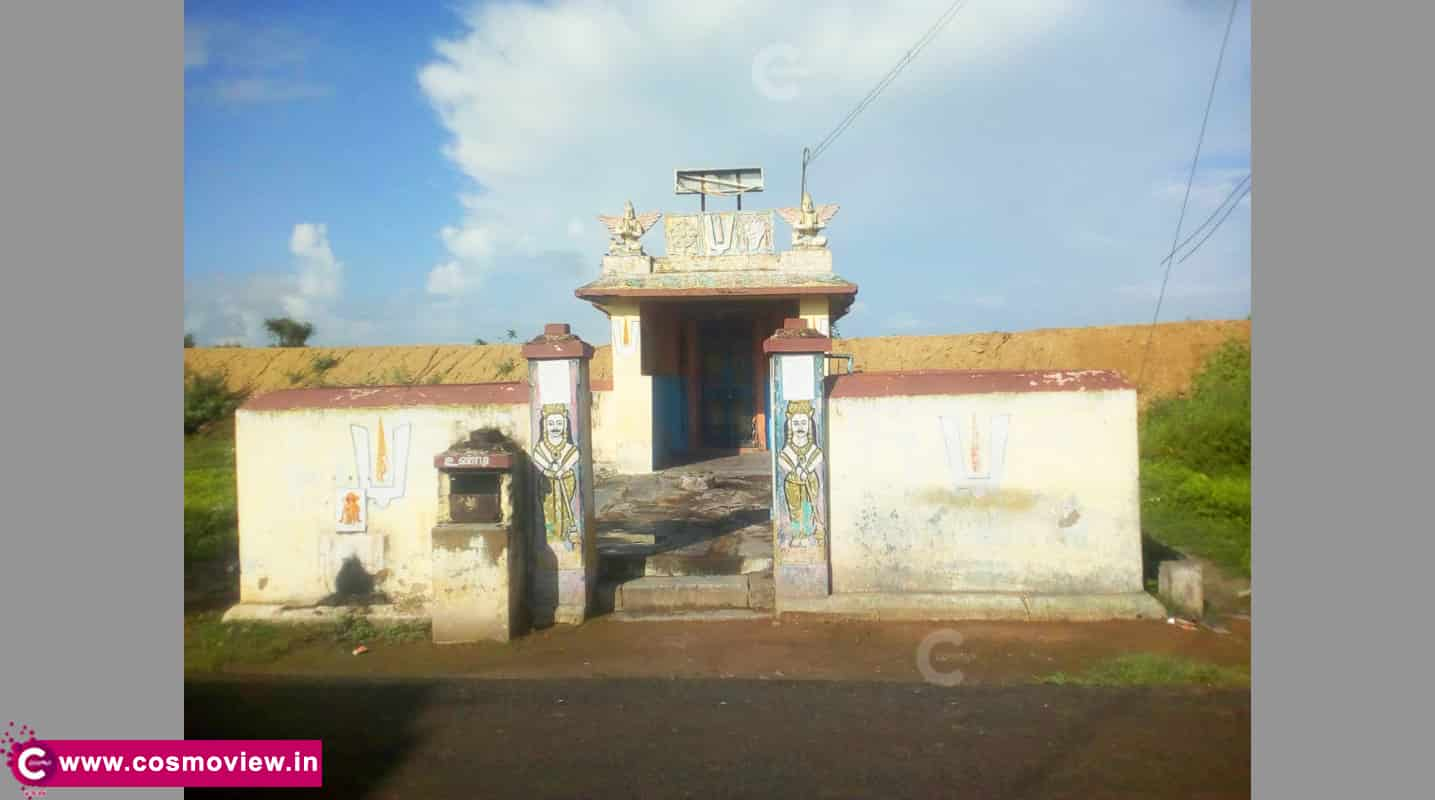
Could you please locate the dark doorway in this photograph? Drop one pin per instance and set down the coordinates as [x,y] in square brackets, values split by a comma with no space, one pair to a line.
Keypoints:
[725,381]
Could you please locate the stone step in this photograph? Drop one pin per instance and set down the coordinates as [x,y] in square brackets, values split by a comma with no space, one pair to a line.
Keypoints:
[676,565]
[698,615]
[681,593]
[624,566]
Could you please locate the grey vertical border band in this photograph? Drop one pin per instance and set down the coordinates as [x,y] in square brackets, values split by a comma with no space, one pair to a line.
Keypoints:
[91,148]
[1341,444]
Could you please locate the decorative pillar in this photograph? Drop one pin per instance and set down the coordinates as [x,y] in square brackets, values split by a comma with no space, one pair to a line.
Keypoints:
[565,558]
[799,464]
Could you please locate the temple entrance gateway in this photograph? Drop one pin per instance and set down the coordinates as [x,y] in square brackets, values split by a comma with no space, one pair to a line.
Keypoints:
[689,376]
[709,376]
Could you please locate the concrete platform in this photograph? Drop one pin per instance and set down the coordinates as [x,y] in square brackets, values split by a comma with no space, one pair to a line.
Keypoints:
[954,606]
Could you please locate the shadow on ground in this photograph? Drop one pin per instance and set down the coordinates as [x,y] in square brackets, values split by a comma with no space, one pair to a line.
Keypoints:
[368,728]
[657,738]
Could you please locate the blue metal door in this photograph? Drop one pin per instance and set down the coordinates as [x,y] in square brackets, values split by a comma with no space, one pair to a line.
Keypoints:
[726,376]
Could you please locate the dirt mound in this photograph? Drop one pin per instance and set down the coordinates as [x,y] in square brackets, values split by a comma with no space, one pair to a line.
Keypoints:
[1177,351]
[265,369]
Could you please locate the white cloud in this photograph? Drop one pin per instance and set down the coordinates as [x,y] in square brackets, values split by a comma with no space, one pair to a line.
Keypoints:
[236,64]
[223,308]
[558,111]
[1035,148]
[319,276]
[448,279]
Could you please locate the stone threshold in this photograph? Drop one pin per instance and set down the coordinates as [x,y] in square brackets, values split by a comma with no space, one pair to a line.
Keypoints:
[707,615]
[956,606]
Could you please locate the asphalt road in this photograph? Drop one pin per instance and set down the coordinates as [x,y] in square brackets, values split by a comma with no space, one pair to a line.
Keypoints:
[465,738]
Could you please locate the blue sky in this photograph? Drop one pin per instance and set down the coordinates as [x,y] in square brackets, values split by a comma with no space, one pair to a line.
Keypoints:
[430,173]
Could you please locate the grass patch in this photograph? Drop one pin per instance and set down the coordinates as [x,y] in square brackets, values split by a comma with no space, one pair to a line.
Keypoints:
[1196,464]
[210,644]
[1152,669]
[355,629]
[211,511]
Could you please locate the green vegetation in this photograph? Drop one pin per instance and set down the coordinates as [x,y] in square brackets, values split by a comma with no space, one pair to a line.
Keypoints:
[506,367]
[355,629]
[288,332]
[1196,464]
[1152,669]
[207,399]
[211,512]
[188,340]
[211,645]
[313,375]
[398,376]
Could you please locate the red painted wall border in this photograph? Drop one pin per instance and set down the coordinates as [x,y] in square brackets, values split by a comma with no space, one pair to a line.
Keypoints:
[458,394]
[937,382]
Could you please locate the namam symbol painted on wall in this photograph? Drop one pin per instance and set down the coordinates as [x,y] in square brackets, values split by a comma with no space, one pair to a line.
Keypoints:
[625,335]
[379,478]
[381,460]
[802,522]
[718,230]
[556,458]
[383,469]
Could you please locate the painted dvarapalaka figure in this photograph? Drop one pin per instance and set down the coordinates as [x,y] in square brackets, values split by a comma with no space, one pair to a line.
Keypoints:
[801,463]
[556,458]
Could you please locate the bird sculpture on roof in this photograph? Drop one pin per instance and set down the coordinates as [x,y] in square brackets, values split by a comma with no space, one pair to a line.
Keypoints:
[628,229]
[807,221]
